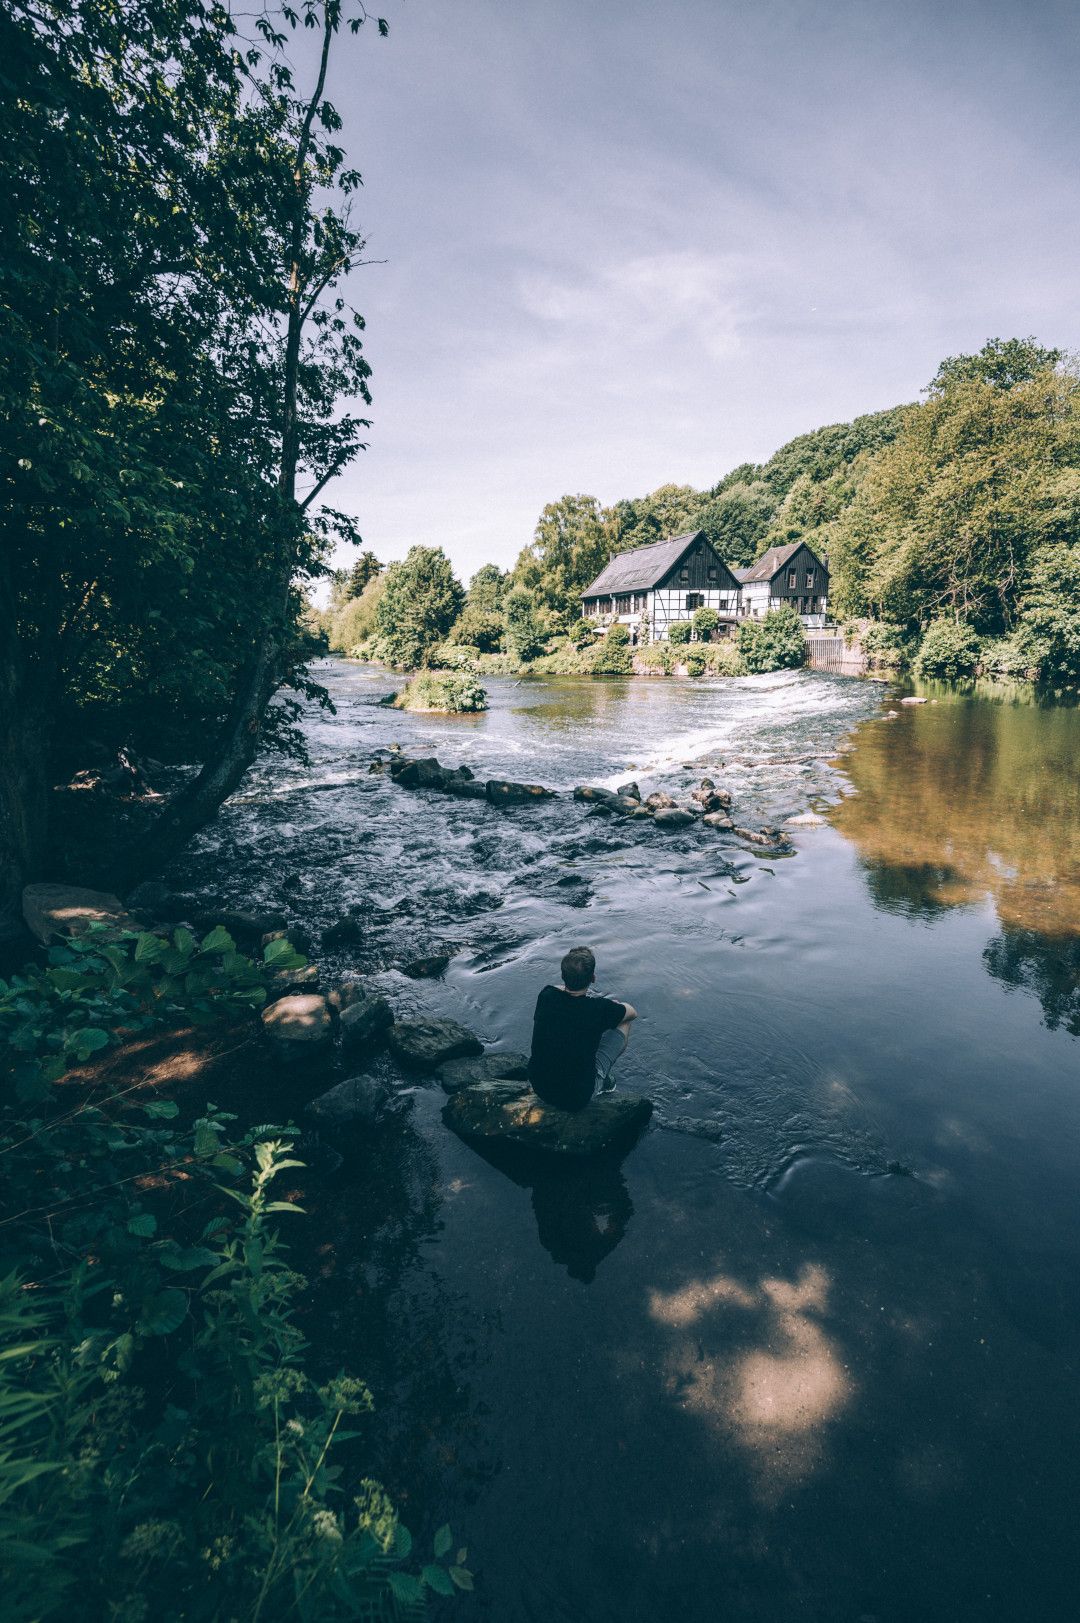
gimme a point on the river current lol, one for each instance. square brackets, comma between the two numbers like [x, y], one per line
[812, 1346]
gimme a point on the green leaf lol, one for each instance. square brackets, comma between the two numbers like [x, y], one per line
[206, 1140]
[405, 1588]
[461, 1577]
[162, 1109]
[144, 1225]
[89, 1040]
[219, 940]
[149, 948]
[444, 1540]
[437, 1579]
[281, 954]
[163, 1312]
[183, 1258]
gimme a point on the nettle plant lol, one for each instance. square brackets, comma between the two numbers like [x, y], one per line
[163, 1449]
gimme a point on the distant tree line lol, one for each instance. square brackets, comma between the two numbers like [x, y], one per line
[951, 527]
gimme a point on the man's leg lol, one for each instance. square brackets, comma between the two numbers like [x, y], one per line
[610, 1049]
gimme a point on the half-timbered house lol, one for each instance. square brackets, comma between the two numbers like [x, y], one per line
[649, 588]
[792, 576]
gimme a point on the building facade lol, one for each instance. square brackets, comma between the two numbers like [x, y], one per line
[649, 588]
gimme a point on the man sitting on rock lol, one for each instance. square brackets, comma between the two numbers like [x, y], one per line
[576, 1038]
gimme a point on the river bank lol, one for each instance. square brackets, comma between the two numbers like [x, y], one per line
[803, 1379]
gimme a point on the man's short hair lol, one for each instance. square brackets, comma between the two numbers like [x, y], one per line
[578, 969]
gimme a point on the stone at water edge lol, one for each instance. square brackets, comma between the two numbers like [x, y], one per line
[242, 925]
[805, 820]
[467, 1073]
[670, 818]
[593, 794]
[294, 980]
[424, 773]
[344, 932]
[512, 1113]
[629, 791]
[59, 910]
[359, 1101]
[718, 820]
[365, 1021]
[911, 700]
[344, 993]
[424, 1044]
[660, 801]
[298, 1026]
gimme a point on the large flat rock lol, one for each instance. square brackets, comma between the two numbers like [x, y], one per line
[424, 1044]
[512, 1112]
[59, 910]
[466, 1073]
[298, 1026]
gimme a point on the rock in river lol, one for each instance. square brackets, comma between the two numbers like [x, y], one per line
[424, 1044]
[426, 969]
[360, 1101]
[510, 1111]
[467, 1073]
[500, 792]
[299, 1027]
[365, 1020]
[671, 817]
[58, 910]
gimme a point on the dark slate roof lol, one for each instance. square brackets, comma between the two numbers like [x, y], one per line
[641, 567]
[769, 563]
[740, 574]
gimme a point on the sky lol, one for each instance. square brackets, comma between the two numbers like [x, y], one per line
[622, 244]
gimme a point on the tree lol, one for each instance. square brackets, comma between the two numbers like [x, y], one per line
[479, 628]
[1051, 612]
[357, 619]
[705, 623]
[524, 630]
[679, 632]
[614, 657]
[775, 643]
[949, 649]
[736, 520]
[570, 547]
[366, 567]
[488, 588]
[1003, 363]
[420, 602]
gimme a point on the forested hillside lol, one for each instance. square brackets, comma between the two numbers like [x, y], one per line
[952, 524]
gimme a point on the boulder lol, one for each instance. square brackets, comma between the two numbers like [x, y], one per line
[359, 1101]
[298, 1026]
[424, 1044]
[425, 773]
[762, 836]
[426, 969]
[805, 820]
[911, 699]
[294, 980]
[717, 820]
[152, 896]
[593, 794]
[629, 790]
[463, 784]
[659, 801]
[365, 1020]
[671, 818]
[343, 994]
[711, 800]
[59, 910]
[511, 1112]
[468, 1073]
[501, 792]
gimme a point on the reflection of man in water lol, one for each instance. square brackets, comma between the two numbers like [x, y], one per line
[576, 1038]
[581, 1215]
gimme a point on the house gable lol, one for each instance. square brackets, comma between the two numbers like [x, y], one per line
[699, 569]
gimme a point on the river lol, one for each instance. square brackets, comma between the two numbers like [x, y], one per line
[811, 1348]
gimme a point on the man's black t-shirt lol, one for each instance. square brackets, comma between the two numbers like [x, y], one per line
[566, 1032]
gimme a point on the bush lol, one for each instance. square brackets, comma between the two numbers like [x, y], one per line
[525, 636]
[695, 662]
[165, 1450]
[705, 623]
[563, 660]
[776, 643]
[656, 657]
[478, 628]
[886, 645]
[448, 692]
[583, 634]
[679, 632]
[1015, 656]
[949, 649]
[724, 659]
[614, 657]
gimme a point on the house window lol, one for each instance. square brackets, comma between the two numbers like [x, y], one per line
[793, 579]
[694, 600]
[684, 575]
[714, 573]
[809, 580]
[622, 603]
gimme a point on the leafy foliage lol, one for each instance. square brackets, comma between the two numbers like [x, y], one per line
[420, 601]
[679, 632]
[613, 657]
[479, 628]
[524, 628]
[949, 648]
[775, 643]
[449, 691]
[705, 623]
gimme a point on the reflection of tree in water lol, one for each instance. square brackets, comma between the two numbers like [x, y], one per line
[1047, 966]
[914, 889]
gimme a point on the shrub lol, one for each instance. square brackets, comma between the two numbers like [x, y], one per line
[705, 623]
[656, 657]
[563, 660]
[524, 631]
[695, 662]
[724, 659]
[614, 657]
[776, 643]
[479, 628]
[679, 632]
[1016, 656]
[582, 635]
[886, 645]
[449, 692]
[948, 649]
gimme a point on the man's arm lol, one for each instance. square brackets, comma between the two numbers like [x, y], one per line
[630, 1012]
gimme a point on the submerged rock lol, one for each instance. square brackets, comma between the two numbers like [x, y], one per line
[423, 969]
[242, 925]
[468, 1073]
[593, 794]
[512, 1112]
[59, 910]
[717, 820]
[344, 932]
[805, 820]
[423, 773]
[298, 1026]
[629, 790]
[359, 1101]
[912, 699]
[658, 801]
[502, 792]
[424, 1044]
